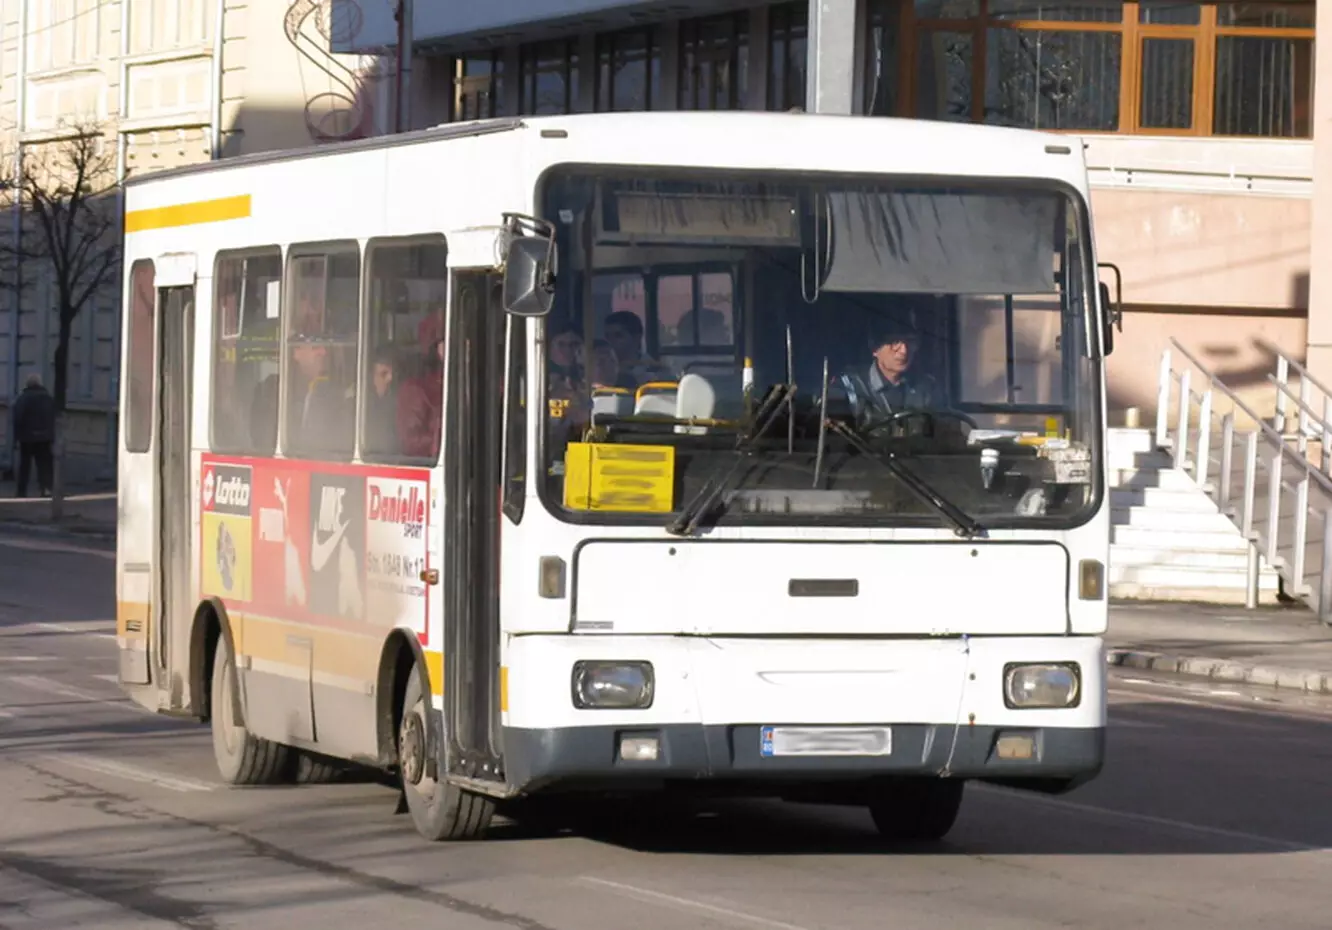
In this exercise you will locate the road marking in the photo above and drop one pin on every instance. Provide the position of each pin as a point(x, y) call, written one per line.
point(27, 658)
point(70, 628)
point(1134, 725)
point(114, 679)
point(688, 904)
point(61, 690)
point(132, 773)
point(1152, 820)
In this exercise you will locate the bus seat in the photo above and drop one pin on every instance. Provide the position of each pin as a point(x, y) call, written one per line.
point(613, 402)
point(656, 397)
point(695, 397)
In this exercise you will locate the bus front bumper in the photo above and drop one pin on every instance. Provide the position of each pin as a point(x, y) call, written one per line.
point(814, 710)
point(608, 755)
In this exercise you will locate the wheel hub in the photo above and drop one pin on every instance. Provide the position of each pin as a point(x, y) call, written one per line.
point(412, 750)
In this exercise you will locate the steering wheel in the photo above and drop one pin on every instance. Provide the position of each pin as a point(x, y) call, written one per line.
point(874, 426)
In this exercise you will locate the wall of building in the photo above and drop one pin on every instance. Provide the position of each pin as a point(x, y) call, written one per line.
point(144, 70)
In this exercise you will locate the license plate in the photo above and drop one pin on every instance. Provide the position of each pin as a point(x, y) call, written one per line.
point(825, 741)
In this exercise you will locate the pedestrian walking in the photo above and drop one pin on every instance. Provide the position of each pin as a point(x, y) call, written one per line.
point(34, 433)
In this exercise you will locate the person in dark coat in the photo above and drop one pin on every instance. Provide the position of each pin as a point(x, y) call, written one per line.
point(34, 433)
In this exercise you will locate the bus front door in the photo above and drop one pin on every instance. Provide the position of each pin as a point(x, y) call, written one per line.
point(175, 498)
point(473, 430)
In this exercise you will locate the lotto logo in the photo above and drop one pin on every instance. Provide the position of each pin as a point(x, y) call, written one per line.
point(226, 489)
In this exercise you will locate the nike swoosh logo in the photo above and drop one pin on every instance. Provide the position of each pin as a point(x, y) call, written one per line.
point(321, 552)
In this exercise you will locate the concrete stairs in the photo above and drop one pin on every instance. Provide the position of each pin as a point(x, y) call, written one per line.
point(1169, 541)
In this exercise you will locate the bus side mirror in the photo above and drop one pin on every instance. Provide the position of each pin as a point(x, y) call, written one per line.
point(529, 281)
point(1112, 318)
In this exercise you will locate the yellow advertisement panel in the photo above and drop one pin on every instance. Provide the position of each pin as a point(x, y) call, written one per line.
point(619, 478)
point(227, 566)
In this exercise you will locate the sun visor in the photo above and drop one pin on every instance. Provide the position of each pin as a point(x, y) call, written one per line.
point(942, 242)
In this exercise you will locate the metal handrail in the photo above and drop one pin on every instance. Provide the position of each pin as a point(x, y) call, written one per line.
point(1304, 372)
point(1270, 538)
point(1271, 432)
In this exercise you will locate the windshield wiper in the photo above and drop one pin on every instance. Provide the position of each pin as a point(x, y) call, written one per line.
point(964, 525)
point(686, 522)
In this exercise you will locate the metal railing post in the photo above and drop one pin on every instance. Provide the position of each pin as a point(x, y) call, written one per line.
point(1303, 419)
point(1163, 399)
point(1274, 503)
point(1283, 378)
point(1182, 432)
point(1325, 574)
point(1251, 577)
point(1301, 532)
point(1250, 481)
point(1204, 440)
point(1227, 459)
point(1327, 434)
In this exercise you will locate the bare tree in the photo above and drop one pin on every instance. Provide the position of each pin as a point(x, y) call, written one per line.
point(66, 192)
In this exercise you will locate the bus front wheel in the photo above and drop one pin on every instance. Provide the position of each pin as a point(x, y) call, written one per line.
point(242, 758)
point(917, 809)
point(440, 811)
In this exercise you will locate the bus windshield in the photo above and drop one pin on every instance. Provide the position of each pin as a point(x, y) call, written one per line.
point(819, 349)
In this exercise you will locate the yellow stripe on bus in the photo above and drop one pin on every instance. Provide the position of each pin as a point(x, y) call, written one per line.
point(435, 666)
point(188, 214)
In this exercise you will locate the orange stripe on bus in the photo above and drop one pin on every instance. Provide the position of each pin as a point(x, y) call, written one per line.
point(188, 214)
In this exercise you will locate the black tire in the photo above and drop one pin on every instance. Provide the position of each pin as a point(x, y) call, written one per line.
point(242, 758)
point(307, 768)
point(917, 810)
point(440, 811)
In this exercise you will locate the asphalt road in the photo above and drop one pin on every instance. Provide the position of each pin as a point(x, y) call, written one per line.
point(1213, 812)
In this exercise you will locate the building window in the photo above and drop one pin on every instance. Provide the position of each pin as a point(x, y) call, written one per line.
point(478, 86)
point(548, 78)
point(1155, 67)
point(714, 63)
point(628, 70)
point(788, 48)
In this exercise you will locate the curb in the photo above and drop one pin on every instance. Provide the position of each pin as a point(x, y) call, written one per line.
point(1292, 679)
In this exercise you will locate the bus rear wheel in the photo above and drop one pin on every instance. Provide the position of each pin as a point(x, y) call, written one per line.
point(917, 809)
point(242, 758)
point(440, 811)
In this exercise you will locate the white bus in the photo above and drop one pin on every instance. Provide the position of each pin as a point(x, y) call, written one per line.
point(735, 452)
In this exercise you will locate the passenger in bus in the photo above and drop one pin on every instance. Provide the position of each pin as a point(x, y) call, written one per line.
point(564, 349)
point(606, 371)
point(321, 420)
point(381, 406)
point(420, 401)
point(887, 385)
point(624, 331)
point(712, 328)
point(263, 416)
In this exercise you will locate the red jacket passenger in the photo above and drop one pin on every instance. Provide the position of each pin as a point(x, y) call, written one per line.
point(420, 417)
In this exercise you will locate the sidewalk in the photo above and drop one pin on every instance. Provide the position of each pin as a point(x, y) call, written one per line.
point(87, 513)
point(1279, 647)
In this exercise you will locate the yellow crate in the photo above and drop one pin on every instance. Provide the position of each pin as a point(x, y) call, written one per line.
point(619, 478)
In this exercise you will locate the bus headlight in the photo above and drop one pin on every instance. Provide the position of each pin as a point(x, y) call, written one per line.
point(612, 685)
point(1045, 685)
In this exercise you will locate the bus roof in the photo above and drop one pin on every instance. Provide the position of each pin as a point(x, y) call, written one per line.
point(905, 131)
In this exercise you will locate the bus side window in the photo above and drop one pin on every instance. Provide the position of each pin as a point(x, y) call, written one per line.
point(322, 335)
point(408, 288)
point(247, 305)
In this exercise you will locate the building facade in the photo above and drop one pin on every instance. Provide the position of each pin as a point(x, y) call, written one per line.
point(1198, 116)
point(168, 83)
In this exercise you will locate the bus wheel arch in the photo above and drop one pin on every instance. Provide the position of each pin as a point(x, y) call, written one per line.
point(210, 624)
point(401, 658)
